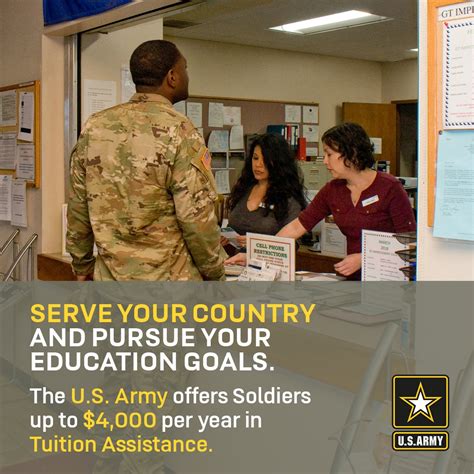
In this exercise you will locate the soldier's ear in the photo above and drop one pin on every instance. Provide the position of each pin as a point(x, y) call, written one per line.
point(171, 78)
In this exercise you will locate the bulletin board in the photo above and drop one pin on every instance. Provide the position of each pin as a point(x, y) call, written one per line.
point(436, 105)
point(256, 114)
point(24, 123)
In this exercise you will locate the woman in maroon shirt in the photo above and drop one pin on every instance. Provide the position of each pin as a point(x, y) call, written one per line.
point(358, 197)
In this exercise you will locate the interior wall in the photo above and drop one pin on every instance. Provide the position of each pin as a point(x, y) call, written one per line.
point(400, 80)
point(102, 55)
point(20, 61)
point(247, 72)
point(437, 259)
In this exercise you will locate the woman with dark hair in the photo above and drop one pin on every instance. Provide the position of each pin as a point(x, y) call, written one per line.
point(269, 193)
point(358, 197)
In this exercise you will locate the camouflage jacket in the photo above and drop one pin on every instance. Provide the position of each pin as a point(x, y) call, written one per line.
point(141, 187)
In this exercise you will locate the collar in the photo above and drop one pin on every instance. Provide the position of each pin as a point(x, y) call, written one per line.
point(147, 97)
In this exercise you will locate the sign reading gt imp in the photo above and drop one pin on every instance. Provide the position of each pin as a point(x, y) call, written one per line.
point(420, 441)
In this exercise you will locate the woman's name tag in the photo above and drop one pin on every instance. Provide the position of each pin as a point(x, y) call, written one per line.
point(370, 200)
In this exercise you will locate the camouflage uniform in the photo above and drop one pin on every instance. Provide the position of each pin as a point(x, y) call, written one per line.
point(141, 185)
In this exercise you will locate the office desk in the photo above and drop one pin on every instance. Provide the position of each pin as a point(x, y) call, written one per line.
point(54, 267)
point(314, 261)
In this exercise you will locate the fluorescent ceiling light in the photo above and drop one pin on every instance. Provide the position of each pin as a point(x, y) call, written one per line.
point(330, 22)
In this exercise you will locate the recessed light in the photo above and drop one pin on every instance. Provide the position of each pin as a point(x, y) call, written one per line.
point(336, 21)
point(413, 50)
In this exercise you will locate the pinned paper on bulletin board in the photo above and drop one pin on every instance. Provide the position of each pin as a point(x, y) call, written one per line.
point(218, 141)
point(454, 206)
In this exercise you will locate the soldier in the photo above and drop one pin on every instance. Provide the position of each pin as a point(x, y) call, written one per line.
point(141, 185)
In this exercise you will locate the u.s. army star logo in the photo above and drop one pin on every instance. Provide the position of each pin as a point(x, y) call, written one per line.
point(420, 401)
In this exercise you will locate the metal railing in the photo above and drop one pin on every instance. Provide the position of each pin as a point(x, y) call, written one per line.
point(26, 249)
point(13, 240)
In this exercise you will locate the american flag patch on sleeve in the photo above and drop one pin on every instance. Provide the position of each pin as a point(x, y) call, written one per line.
point(206, 159)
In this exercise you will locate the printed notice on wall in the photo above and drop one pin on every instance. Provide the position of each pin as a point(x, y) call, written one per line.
point(19, 203)
point(7, 151)
point(5, 197)
point(127, 84)
point(26, 114)
point(194, 113)
point(292, 113)
point(458, 80)
point(310, 114)
point(98, 95)
point(25, 168)
point(7, 108)
point(455, 186)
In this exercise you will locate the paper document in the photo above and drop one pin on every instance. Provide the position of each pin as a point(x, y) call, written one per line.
point(454, 205)
point(277, 251)
point(458, 78)
point(98, 95)
point(180, 107)
point(310, 114)
point(236, 140)
point(19, 217)
point(25, 168)
point(5, 197)
point(7, 151)
point(216, 115)
point(218, 141)
point(379, 260)
point(194, 113)
point(222, 181)
point(127, 84)
point(292, 113)
point(311, 133)
point(232, 115)
point(7, 108)
point(230, 234)
point(26, 114)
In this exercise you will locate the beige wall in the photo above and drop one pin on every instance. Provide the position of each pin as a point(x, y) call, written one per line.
point(229, 70)
point(400, 80)
point(103, 55)
point(20, 61)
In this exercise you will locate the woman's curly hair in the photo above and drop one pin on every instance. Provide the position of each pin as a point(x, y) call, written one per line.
point(284, 177)
point(353, 143)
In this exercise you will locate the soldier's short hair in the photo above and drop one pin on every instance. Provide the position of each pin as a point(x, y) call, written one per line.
point(151, 61)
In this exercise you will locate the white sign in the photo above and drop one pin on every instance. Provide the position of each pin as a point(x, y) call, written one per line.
point(458, 78)
point(26, 114)
point(19, 203)
point(379, 260)
point(377, 142)
point(5, 197)
point(7, 151)
point(216, 115)
point(275, 251)
point(292, 113)
point(25, 168)
point(310, 114)
point(232, 115)
point(98, 95)
point(194, 113)
point(127, 84)
point(7, 108)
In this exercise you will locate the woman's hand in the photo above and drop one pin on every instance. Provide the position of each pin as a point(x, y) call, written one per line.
point(241, 240)
point(349, 265)
point(224, 241)
point(237, 259)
